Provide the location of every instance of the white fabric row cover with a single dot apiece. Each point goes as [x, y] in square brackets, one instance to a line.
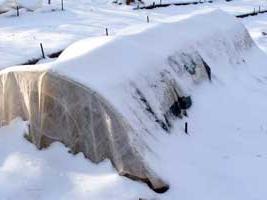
[109, 97]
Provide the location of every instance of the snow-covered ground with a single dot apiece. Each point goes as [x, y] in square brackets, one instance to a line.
[224, 157]
[257, 27]
[30, 174]
[20, 37]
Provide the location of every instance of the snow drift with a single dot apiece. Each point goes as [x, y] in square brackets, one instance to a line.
[109, 97]
[6, 5]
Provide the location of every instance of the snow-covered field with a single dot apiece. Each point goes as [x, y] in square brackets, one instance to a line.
[20, 37]
[224, 157]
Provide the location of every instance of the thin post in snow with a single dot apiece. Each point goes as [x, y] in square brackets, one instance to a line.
[154, 4]
[259, 9]
[42, 50]
[49, 1]
[254, 11]
[62, 5]
[106, 31]
[186, 128]
[160, 2]
[17, 10]
[147, 19]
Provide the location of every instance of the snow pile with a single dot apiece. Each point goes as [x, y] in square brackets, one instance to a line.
[6, 5]
[32, 174]
[151, 69]
[110, 97]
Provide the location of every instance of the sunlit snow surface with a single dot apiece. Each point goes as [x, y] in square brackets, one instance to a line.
[20, 37]
[28, 173]
[224, 157]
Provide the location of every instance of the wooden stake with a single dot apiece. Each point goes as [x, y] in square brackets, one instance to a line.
[106, 31]
[62, 5]
[42, 50]
[147, 19]
[17, 11]
[186, 128]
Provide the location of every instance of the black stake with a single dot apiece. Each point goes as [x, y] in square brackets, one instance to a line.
[17, 10]
[160, 2]
[49, 1]
[147, 19]
[42, 50]
[186, 128]
[62, 5]
[154, 5]
[106, 31]
[259, 9]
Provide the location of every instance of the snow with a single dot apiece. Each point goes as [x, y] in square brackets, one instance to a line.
[83, 61]
[257, 26]
[20, 37]
[54, 173]
[223, 157]
[7, 5]
[118, 50]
